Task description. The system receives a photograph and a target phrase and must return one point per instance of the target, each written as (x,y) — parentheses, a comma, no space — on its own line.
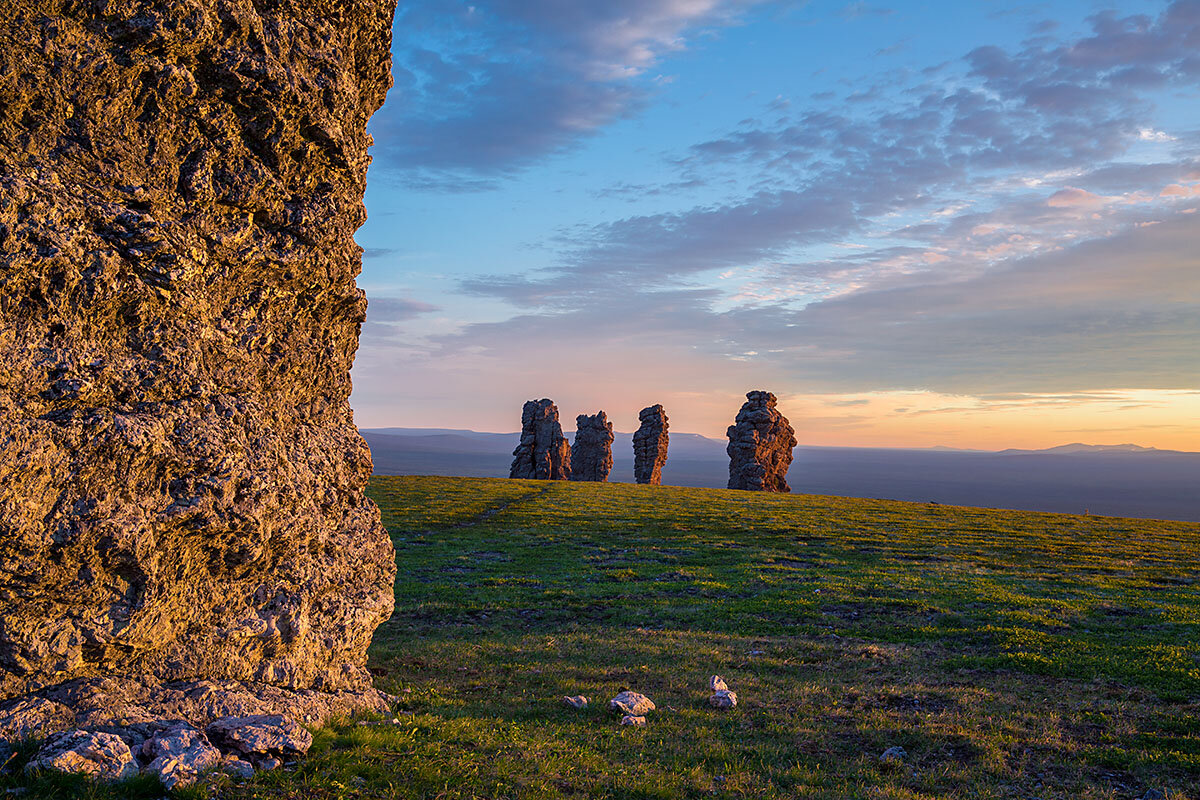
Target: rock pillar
(181,480)
(591,455)
(543,453)
(650,445)
(760,446)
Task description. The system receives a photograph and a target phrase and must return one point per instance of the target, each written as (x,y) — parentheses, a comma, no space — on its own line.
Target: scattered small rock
(368,723)
(178,754)
(578,702)
(103,756)
(634,704)
(721,696)
(893,755)
(1151,794)
(636,721)
(269,763)
(723,699)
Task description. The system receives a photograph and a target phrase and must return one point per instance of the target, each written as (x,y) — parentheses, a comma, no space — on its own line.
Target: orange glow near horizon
(1151,418)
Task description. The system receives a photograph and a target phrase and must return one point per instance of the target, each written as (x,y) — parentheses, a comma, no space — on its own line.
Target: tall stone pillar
(181,480)
(543,453)
(591,454)
(650,445)
(760,446)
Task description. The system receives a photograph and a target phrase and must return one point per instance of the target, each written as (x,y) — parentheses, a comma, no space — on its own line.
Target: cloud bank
(1020,220)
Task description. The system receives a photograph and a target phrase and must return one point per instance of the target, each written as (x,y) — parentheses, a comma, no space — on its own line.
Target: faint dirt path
(484,516)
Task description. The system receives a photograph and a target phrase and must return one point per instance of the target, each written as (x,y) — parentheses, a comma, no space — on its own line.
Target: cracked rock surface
(175,752)
(100,755)
(179,754)
(181,480)
(264,735)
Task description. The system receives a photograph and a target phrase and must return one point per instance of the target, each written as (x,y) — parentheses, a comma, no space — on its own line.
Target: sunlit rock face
(591,453)
(760,446)
(650,443)
(543,452)
(181,480)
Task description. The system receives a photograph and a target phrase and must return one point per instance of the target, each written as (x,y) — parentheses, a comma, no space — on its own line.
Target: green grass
(1011,654)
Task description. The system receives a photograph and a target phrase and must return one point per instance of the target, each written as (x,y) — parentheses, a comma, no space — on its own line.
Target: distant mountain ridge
(1078,448)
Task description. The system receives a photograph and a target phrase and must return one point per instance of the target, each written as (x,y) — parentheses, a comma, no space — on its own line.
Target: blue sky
(918,224)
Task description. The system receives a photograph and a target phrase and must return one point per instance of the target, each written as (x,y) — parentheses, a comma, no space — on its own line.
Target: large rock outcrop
(650,445)
(591,454)
(760,446)
(181,480)
(544,453)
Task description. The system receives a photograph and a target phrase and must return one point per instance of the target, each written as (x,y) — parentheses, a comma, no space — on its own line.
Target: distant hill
(1117,480)
(1088,449)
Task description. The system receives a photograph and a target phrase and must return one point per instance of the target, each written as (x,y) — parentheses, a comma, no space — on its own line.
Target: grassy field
(1012,655)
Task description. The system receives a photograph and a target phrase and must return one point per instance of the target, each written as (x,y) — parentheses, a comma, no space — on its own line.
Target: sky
(918,224)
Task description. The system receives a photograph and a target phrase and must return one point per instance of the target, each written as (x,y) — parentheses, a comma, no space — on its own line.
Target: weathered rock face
(178,754)
(173,751)
(104,756)
(123,702)
(760,446)
(650,445)
(181,481)
(591,455)
(543,453)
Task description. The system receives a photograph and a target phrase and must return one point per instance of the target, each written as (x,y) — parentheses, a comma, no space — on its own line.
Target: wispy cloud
(487,89)
(1017,154)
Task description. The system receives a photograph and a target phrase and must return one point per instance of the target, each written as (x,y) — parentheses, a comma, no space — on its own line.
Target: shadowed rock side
(543,453)
(591,455)
(650,445)
(181,481)
(760,446)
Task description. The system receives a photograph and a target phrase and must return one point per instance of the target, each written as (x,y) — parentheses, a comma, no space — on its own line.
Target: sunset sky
(936,223)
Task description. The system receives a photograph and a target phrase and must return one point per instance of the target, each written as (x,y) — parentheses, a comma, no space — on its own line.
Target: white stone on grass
(723,698)
(634,704)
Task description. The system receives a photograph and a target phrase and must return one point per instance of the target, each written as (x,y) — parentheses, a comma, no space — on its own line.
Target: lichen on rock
(181,480)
